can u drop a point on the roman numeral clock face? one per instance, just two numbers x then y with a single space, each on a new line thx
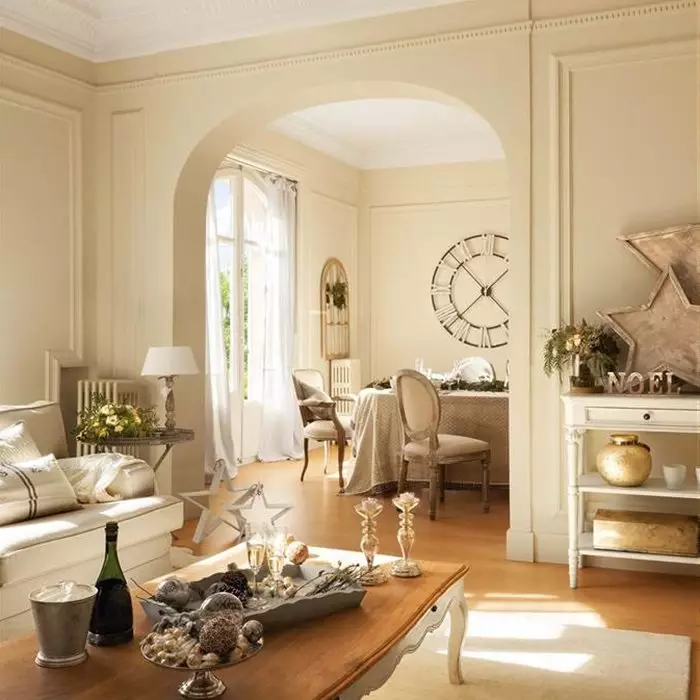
468 290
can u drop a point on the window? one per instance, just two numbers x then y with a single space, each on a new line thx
235 282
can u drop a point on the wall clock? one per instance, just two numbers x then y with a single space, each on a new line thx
468 290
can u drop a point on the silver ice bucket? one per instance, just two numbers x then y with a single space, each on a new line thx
62 618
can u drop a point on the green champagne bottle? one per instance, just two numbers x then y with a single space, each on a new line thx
112 620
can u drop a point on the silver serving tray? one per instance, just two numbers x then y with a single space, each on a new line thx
280 612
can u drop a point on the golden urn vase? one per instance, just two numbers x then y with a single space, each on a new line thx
624 461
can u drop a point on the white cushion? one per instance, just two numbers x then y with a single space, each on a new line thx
449 447
35 547
326 430
44 422
16 444
34 489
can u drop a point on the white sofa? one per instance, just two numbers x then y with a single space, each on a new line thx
70 546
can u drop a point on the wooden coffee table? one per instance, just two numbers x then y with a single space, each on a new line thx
342 657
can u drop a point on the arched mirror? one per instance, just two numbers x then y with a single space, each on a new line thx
335 312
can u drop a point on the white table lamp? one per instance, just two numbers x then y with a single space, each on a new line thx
166 363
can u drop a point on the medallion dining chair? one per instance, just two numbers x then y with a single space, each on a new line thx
419 408
320 418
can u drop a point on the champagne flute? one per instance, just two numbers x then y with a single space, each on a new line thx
255 543
276 546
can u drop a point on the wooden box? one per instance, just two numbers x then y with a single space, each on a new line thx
651 533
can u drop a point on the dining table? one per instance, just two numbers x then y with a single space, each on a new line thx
378 439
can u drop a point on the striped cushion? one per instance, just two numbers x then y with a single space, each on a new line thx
16 444
34 489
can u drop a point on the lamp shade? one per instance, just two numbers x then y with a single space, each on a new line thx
168 361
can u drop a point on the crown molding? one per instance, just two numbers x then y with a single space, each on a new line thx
638 12
87 8
68 25
323 56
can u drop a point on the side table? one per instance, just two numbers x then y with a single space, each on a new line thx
166 439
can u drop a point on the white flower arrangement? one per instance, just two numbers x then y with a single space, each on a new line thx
104 419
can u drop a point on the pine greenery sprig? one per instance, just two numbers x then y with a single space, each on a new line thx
595 346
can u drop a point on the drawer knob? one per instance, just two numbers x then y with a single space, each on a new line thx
646 416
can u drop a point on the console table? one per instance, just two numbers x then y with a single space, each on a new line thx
616 413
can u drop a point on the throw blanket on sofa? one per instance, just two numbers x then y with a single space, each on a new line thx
92 475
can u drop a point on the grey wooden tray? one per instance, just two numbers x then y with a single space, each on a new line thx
280 612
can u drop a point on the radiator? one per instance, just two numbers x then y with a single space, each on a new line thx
345 379
129 391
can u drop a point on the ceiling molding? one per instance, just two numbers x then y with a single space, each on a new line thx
85 10
638 12
333 55
69 25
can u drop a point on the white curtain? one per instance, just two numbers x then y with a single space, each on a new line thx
219 439
271 324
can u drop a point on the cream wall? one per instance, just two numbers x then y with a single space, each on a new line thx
46 254
619 117
411 217
592 152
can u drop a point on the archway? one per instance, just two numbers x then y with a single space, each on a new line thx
188 257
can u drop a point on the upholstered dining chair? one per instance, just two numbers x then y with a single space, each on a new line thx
320 418
419 408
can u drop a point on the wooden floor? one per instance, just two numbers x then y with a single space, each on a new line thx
623 600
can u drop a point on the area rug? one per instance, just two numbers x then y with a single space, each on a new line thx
525 656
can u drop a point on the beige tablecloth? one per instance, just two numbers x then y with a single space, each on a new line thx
376 449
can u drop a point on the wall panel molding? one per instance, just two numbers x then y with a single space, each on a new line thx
562 68
71 355
128 214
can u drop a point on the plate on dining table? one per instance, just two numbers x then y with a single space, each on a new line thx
474 369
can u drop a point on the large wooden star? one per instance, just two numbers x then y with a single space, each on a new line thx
677 247
663 334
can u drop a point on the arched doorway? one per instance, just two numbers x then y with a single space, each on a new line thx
188 256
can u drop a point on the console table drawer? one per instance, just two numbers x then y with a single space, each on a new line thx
640 417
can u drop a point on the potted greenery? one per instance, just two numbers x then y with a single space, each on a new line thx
588 351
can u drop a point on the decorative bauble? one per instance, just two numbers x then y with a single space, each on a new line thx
218 587
253 631
237 583
297 552
173 592
624 461
221 602
219 636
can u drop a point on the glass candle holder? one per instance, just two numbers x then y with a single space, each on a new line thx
369 510
405 567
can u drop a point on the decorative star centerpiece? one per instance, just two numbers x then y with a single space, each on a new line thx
208 520
664 333
254 507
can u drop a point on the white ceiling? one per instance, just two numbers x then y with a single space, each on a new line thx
393 133
103 30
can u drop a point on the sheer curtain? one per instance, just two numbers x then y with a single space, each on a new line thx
271 324
219 438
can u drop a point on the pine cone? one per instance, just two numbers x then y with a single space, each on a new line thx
237 584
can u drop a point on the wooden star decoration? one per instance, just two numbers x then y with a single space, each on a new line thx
677 247
265 513
208 520
663 334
